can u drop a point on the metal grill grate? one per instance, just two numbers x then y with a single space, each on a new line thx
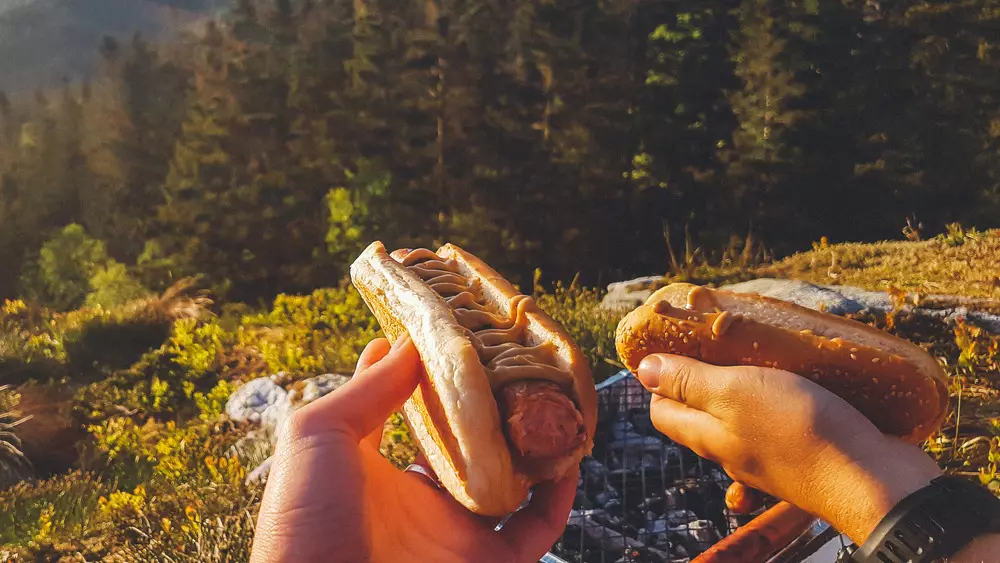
642 497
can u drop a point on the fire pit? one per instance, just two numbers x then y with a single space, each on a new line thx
642 497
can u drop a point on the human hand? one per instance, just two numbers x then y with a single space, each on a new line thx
787 436
331 496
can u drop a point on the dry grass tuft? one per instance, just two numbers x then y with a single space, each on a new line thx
182 300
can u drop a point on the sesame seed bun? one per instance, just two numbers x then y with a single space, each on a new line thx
894 383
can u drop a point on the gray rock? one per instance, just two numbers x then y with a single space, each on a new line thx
260 401
841 299
264 402
838 300
630 294
307 391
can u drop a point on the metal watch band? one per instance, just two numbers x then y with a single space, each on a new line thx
931 524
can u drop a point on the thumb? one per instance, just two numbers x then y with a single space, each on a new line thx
361 406
685 380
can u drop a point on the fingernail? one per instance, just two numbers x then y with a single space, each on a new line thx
649 371
401 341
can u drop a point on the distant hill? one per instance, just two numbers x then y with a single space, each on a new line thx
44 41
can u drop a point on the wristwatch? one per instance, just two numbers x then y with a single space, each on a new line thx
930 525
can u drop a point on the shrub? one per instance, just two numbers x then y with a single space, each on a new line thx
312 334
108 341
29 348
114 339
593 328
60 278
112 286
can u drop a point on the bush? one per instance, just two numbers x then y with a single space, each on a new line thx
312 334
580 313
29 347
108 341
60 278
73 270
114 339
112 286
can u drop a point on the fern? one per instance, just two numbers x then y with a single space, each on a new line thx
14 466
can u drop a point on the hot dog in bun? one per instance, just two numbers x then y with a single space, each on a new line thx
894 383
508 401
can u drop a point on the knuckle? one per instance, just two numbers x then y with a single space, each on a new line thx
305 423
681 381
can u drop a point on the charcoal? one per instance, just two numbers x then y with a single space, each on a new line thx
673 497
701 531
656 503
599 532
676 518
620 429
592 470
603 498
641 497
614 506
644 555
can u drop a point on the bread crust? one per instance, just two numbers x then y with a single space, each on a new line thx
894 383
453 414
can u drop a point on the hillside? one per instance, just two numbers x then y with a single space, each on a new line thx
958 263
44 41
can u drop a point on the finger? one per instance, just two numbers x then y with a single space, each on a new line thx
701 432
372 354
743 499
531 532
363 403
685 380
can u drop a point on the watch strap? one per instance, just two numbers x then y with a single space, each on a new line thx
930 524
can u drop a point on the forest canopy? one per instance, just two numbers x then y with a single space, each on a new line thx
263 150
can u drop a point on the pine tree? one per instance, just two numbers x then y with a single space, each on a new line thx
762 156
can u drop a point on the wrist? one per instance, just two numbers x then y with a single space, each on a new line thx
869 488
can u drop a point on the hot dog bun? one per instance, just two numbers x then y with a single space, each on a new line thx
894 383
454 413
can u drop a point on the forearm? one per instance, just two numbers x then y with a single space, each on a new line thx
860 492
